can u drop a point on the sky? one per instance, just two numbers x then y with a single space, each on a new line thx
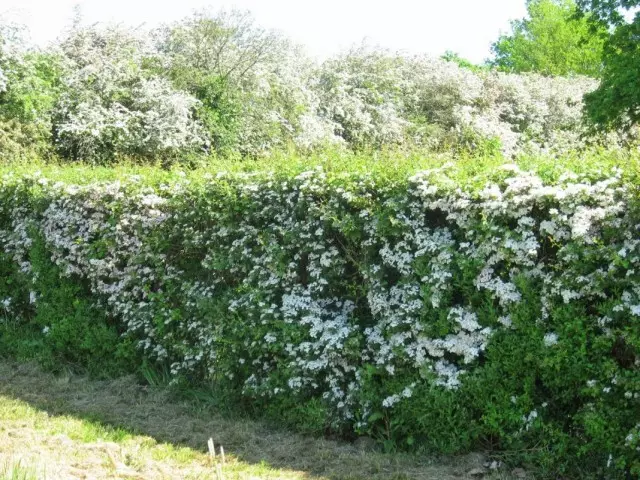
326 27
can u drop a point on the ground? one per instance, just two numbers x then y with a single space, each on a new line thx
71 427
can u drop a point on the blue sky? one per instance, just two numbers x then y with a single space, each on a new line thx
324 27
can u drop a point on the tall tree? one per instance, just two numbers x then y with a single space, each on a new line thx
616 102
553 40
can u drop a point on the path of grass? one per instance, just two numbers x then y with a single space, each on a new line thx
71 427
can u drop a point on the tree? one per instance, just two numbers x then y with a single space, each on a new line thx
252 84
616 102
451 56
553 40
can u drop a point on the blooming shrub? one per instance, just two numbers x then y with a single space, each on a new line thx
442 307
110 106
380 98
255 86
219 83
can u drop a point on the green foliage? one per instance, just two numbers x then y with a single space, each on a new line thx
17 142
611 12
231 66
33 87
431 419
219 112
451 56
309 416
551 41
29 87
616 102
66 328
196 49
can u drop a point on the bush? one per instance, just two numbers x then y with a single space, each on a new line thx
219 84
104 114
17 144
433 306
29 83
255 87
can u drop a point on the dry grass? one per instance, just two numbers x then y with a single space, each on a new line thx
71 427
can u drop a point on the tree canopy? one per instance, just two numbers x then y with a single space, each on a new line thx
616 102
553 40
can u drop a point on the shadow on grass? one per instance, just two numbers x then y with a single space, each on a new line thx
153 412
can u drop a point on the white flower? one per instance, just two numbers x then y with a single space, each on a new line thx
550 339
390 401
506 321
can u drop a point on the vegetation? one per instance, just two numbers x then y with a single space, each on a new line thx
71 427
552 41
616 102
219 85
350 295
434 254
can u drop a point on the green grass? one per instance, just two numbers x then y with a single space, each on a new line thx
381 165
16 471
69 426
65 444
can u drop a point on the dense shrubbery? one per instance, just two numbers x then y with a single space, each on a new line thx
427 304
616 102
218 84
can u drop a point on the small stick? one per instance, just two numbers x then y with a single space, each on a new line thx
212 449
222 454
219 472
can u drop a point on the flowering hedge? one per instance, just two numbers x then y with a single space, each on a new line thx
443 308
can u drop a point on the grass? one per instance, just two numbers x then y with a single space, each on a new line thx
16 471
71 427
391 164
